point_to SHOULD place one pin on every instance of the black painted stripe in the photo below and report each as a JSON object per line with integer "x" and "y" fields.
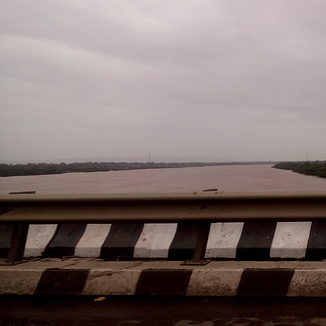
{"x": 5, "y": 236}
{"x": 316, "y": 247}
{"x": 163, "y": 282}
{"x": 265, "y": 282}
{"x": 256, "y": 240}
{"x": 121, "y": 241}
{"x": 65, "y": 240}
{"x": 184, "y": 242}
{"x": 62, "y": 282}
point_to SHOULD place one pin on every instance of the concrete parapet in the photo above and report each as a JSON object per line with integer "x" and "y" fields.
{"x": 76, "y": 276}
{"x": 251, "y": 240}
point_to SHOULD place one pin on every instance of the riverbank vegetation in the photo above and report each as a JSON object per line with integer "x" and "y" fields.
{"x": 7, "y": 170}
{"x": 316, "y": 168}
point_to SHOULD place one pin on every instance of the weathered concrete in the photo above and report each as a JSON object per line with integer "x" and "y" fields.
{"x": 218, "y": 278}
{"x": 232, "y": 240}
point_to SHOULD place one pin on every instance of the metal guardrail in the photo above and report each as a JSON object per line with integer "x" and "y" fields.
{"x": 202, "y": 208}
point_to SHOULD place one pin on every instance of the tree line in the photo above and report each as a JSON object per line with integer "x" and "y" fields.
{"x": 316, "y": 168}
{"x": 7, "y": 170}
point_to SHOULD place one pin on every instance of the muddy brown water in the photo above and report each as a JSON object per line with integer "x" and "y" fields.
{"x": 224, "y": 178}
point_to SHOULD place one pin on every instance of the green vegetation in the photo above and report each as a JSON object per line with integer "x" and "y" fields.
{"x": 317, "y": 168}
{"x": 7, "y": 170}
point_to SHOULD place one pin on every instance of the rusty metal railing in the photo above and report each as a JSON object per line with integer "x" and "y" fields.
{"x": 200, "y": 208}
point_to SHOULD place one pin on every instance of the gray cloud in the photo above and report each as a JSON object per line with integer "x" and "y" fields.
{"x": 218, "y": 80}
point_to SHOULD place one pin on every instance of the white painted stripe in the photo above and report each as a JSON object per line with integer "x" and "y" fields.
{"x": 223, "y": 240}
{"x": 22, "y": 281}
{"x": 39, "y": 235}
{"x": 111, "y": 282}
{"x": 155, "y": 240}
{"x": 214, "y": 282}
{"x": 290, "y": 240}
{"x": 91, "y": 242}
{"x": 308, "y": 283}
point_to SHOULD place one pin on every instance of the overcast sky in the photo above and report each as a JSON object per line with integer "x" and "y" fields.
{"x": 206, "y": 80}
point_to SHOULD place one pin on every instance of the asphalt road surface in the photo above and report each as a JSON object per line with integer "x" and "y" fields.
{"x": 130, "y": 311}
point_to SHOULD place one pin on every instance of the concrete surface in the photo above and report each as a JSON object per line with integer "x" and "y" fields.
{"x": 91, "y": 276}
{"x": 251, "y": 240}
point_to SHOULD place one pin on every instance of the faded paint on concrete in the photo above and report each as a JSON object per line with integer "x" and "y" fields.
{"x": 212, "y": 282}
{"x": 111, "y": 282}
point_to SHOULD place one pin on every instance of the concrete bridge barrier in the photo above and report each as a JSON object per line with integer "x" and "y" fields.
{"x": 252, "y": 240}
{"x": 81, "y": 276}
{"x": 260, "y": 244}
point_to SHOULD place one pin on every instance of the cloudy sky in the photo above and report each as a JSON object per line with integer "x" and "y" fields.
{"x": 207, "y": 80}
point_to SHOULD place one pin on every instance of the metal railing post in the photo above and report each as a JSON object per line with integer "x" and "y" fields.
{"x": 17, "y": 243}
{"x": 201, "y": 244}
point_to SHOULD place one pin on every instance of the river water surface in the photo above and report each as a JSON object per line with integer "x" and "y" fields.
{"x": 223, "y": 178}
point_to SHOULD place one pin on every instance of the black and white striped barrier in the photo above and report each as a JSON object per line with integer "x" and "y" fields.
{"x": 250, "y": 240}
{"x": 147, "y": 279}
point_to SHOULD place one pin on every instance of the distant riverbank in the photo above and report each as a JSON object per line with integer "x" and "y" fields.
{"x": 317, "y": 168}
{"x": 9, "y": 170}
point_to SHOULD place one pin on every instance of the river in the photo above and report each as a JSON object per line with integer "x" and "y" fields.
{"x": 224, "y": 178}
